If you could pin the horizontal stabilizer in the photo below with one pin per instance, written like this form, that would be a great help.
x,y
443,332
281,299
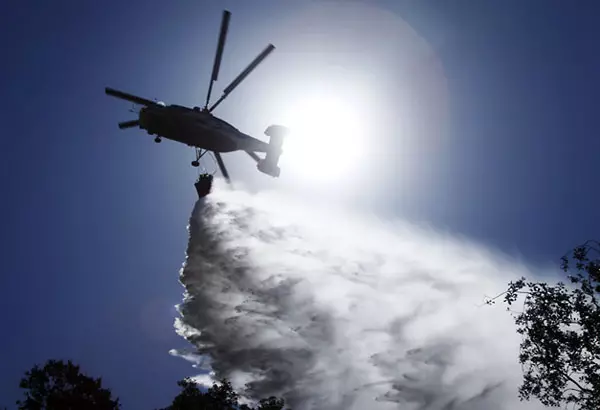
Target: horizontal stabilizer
x,y
253,156
128,124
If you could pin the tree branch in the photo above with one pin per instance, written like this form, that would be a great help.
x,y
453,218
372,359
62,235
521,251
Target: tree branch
x,y
562,372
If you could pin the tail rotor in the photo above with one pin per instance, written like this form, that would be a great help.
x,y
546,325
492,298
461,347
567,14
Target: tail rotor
x,y
269,165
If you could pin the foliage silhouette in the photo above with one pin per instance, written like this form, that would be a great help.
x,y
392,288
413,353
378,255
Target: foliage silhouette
x,y
560,325
272,403
190,397
60,385
220,396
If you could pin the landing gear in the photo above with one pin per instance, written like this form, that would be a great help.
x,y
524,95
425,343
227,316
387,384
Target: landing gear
x,y
199,154
157,140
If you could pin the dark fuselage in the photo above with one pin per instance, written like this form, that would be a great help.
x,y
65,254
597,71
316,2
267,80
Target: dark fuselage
x,y
196,128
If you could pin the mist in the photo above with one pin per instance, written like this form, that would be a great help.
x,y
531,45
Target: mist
x,y
331,309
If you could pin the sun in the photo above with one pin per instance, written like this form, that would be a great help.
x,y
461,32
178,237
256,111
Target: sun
x,y
326,138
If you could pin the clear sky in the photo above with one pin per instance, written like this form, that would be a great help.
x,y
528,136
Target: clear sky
x,y
94,220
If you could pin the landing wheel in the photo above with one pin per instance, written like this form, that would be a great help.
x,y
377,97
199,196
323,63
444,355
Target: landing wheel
x,y
195,163
157,140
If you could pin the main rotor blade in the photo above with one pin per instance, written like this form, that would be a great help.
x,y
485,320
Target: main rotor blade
x,y
244,74
128,124
128,97
219,55
222,166
253,155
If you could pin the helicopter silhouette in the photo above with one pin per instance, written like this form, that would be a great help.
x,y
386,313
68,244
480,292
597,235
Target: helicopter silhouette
x,y
199,128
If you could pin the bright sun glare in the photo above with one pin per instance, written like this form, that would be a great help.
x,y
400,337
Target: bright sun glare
x,y
325,140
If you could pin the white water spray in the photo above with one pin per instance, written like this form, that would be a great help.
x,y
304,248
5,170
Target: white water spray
x,y
337,311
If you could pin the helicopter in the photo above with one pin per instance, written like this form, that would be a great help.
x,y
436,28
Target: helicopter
x,y
199,128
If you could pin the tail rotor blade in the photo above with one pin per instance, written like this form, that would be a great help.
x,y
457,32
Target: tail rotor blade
x,y
128,97
222,166
128,124
244,74
219,55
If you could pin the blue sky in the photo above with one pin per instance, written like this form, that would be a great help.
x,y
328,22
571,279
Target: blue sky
x,y
94,218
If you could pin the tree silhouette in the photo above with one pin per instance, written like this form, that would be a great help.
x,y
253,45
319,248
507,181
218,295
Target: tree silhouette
x,y
220,396
272,403
190,397
560,325
60,385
